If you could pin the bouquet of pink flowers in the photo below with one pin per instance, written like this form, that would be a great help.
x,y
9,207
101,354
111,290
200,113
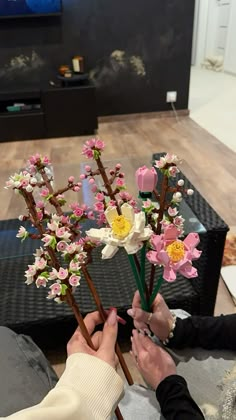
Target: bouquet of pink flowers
x,y
156,229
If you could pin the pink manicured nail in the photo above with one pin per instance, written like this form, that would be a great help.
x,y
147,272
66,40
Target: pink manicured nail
x,y
119,319
112,317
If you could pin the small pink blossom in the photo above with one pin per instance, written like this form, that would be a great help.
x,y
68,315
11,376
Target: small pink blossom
x,y
91,181
22,233
91,215
99,206
40,263
120,182
82,176
74,280
61,246
53,275
101,219
44,192
74,266
99,196
78,211
99,144
76,188
87,168
62,273
31,271
118,166
71,179
112,203
56,289
41,282
173,170
172,211
63,233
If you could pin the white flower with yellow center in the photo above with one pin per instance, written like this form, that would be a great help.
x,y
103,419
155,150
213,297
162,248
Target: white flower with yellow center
x,y
127,230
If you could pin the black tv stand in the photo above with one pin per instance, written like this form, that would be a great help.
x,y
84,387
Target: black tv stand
x,y
51,112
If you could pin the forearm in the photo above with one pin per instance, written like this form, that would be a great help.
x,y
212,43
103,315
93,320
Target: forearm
x,y
88,389
206,332
175,400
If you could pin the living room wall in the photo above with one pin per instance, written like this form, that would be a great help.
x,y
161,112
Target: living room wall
x,y
135,51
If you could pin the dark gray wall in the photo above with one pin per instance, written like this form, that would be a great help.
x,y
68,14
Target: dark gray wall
x,y
135,50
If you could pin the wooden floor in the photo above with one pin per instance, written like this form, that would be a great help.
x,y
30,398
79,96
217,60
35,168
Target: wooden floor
x,y
209,165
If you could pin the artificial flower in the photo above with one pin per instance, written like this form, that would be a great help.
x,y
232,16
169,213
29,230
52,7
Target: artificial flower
x,y
127,230
173,254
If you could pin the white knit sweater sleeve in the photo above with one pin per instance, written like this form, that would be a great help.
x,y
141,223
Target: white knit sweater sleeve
x,y
88,389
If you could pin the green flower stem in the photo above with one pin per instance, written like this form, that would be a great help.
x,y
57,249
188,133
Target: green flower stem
x,y
156,290
142,272
138,283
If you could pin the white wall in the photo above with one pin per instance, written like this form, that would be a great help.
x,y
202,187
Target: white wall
x,y
230,52
201,31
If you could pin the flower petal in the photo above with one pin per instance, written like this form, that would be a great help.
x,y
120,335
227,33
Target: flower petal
x,y
110,214
128,211
109,251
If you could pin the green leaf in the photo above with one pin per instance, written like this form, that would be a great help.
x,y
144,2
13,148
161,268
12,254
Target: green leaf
x,y
64,287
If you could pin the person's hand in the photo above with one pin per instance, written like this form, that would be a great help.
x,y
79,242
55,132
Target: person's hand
x,y
161,320
153,362
103,341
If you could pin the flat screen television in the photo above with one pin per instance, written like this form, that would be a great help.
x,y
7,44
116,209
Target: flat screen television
x,y
27,8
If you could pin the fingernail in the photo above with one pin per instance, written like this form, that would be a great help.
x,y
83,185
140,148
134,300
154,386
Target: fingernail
x,y
112,318
130,312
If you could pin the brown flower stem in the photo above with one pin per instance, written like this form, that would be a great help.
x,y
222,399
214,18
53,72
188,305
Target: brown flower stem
x,y
72,303
103,316
53,200
107,184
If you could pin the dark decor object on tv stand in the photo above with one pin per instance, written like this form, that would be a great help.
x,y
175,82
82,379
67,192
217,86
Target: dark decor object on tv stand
x,y
74,80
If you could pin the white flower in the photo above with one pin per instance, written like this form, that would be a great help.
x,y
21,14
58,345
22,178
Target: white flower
x,y
190,191
127,230
22,233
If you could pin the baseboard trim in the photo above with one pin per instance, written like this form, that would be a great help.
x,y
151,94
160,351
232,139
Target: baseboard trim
x,y
161,114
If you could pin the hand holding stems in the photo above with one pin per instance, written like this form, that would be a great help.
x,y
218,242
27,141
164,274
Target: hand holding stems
x,y
153,362
103,341
161,320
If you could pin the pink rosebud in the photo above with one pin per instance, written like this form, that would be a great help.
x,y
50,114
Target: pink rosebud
x,y
76,188
146,179
87,168
173,170
91,181
71,179
79,184
78,212
82,176
118,166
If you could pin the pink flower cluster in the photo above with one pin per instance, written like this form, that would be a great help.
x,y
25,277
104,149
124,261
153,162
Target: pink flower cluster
x,y
93,148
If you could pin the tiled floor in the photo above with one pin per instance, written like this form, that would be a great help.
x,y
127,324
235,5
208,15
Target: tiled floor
x,y
212,103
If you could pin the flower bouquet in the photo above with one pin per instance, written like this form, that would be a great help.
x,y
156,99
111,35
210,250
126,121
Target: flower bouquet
x,y
152,231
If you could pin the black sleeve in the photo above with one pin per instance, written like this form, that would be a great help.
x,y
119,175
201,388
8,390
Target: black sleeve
x,y
175,400
208,332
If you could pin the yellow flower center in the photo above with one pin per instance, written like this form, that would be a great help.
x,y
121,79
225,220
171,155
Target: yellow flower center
x,y
121,227
175,251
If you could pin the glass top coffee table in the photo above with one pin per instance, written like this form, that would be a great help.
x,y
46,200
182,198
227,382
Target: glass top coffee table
x,y
26,309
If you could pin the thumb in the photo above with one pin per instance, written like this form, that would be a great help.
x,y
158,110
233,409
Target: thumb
x,y
110,331
138,314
